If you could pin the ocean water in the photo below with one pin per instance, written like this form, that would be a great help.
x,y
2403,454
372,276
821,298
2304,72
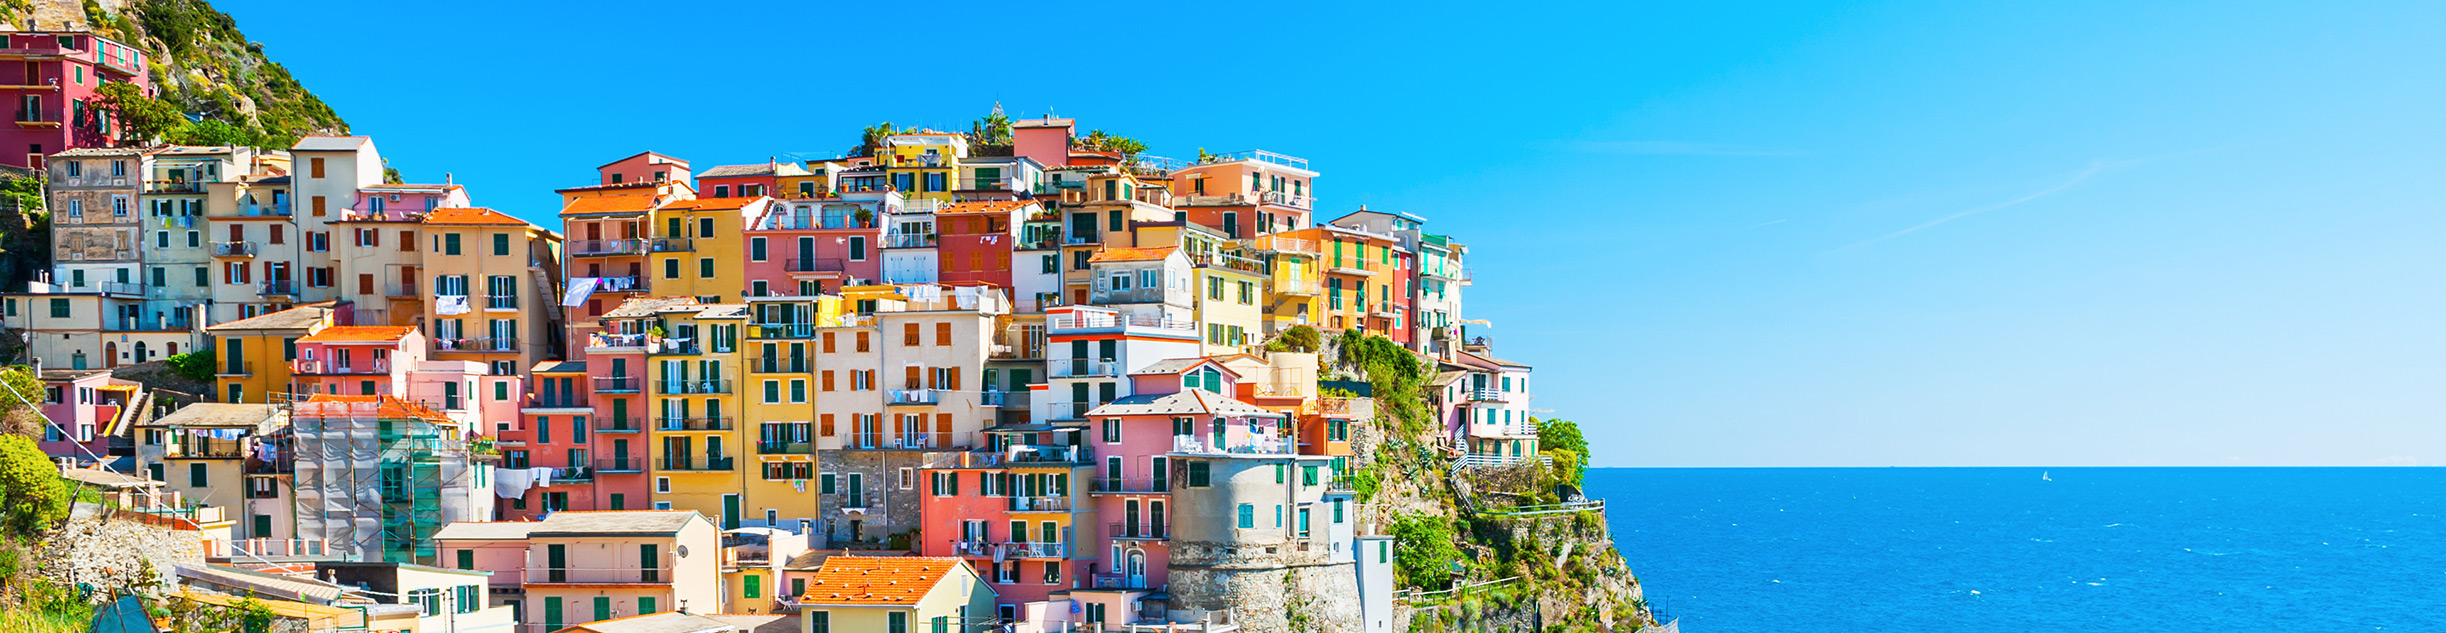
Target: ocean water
x,y
1964,550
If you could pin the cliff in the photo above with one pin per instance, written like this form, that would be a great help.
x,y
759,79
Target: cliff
x,y
202,66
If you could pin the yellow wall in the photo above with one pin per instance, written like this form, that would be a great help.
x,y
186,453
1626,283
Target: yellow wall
x,y
703,490
729,268
267,354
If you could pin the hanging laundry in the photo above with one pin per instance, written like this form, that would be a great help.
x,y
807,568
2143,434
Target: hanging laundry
x,y
512,483
450,304
579,290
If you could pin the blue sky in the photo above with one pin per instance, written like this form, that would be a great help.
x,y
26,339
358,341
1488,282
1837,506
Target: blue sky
x,y
1934,233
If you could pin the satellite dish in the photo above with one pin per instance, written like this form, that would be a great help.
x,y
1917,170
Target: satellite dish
x,y
682,551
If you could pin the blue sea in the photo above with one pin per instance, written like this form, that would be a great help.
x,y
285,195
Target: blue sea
x,y
1977,550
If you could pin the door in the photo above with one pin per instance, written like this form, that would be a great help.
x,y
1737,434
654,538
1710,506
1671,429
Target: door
x,y
619,459
110,355
1138,568
730,512
857,491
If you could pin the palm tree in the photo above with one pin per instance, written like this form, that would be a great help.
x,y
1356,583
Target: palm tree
x,y
871,138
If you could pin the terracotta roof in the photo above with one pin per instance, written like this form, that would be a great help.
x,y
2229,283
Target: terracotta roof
x,y
333,405
639,203
1493,360
261,417
711,204
991,206
299,317
1174,366
1132,254
863,580
360,334
471,215
758,169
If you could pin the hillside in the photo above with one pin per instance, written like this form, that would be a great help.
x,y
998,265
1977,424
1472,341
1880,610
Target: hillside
x,y
202,66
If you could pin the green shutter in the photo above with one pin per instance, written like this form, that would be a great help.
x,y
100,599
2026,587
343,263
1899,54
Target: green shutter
x,y
552,614
467,559
602,608
752,587
645,605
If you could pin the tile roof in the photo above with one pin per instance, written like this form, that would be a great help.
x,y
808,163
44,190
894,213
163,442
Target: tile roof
x,y
486,530
324,405
990,206
627,522
360,334
1187,401
1494,361
222,414
637,203
330,143
1178,365
296,318
266,584
864,580
471,215
667,157
560,367
711,204
758,169
102,151
1120,254
664,622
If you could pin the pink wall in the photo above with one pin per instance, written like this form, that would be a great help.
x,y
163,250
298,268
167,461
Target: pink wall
x,y
641,168
1049,146
99,58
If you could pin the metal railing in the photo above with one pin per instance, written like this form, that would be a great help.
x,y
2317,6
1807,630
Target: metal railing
x,y
402,290
238,368
1044,454
484,344
782,330
915,396
673,245
573,473
631,464
618,384
695,424
1083,368
619,425
908,240
816,265
1036,550
1106,320
778,364
1124,529
598,248
278,287
598,575
769,447
692,386
1129,485
377,366
234,249
616,340
500,302
693,463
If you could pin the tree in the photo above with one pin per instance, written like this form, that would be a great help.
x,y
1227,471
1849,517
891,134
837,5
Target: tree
x,y
211,132
32,495
1562,439
1423,551
17,415
871,138
991,135
141,118
1100,141
196,365
1301,338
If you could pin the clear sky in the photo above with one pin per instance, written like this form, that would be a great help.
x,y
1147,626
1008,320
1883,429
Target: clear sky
x,y
1938,233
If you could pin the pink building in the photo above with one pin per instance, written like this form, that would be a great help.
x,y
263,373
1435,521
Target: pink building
x,y
1046,140
53,82
643,167
806,247
358,360
561,432
85,408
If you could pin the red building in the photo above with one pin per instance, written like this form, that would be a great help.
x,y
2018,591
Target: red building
x,y
976,238
54,81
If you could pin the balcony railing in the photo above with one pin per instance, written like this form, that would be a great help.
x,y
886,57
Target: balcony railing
x,y
322,367
500,302
1130,485
599,248
617,575
974,548
122,289
817,265
573,473
1484,394
778,364
278,288
695,424
618,384
406,290
692,386
673,245
1133,530
632,464
1112,320
1083,368
234,249
915,396
485,344
769,447
692,463
602,340
236,368
1046,454
1246,446
1035,550
783,330
619,425
909,240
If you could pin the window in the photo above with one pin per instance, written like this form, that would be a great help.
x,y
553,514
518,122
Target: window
x,y
704,267
59,308
755,249
450,243
1248,516
670,268
1199,474
817,621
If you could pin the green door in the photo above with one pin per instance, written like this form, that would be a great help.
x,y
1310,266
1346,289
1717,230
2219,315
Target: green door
x,y
730,512
552,614
263,526
602,608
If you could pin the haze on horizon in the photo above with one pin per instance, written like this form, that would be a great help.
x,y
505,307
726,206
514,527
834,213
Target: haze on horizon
x,y
1756,234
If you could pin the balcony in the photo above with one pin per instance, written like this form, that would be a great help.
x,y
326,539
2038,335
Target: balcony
x,y
1245,446
486,344
695,424
974,548
673,245
909,240
601,341
619,425
1350,268
680,387
1120,581
197,447
1129,485
603,248
914,397
377,366
234,249
557,401
615,575
1227,261
993,398
572,474
121,289
507,303
817,265
36,118
1483,394
618,384
1301,287
1098,320
613,465
777,365
236,368
692,463
1035,550
257,210
783,330
173,186
405,290
1051,455
769,447
1134,531
277,288
673,346
1083,368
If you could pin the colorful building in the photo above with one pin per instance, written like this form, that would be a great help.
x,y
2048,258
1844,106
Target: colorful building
x,y
55,80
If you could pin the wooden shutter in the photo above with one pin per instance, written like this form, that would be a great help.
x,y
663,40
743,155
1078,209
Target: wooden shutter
x,y
942,333
828,387
827,342
912,375
827,418
908,334
365,284
861,341
942,430
951,380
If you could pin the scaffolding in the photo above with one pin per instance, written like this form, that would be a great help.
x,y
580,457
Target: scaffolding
x,y
377,476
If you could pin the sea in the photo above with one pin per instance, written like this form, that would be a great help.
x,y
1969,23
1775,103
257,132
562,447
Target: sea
x,y
1981,550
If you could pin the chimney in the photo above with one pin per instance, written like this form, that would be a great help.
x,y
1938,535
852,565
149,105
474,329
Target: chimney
x,y
447,178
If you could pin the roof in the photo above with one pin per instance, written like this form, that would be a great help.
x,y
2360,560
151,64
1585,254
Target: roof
x,y
664,622
990,206
560,367
807,561
106,479
1132,254
267,584
471,215
221,414
1044,122
1494,361
638,307
1368,211
758,169
637,203
102,151
864,581
318,617
330,143
486,530
679,162
360,334
711,204
626,522
1186,401
60,375
384,406
1178,365
297,318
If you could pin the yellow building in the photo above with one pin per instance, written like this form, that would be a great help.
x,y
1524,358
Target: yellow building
x,y
903,594
923,165
251,356
695,247
693,389
778,401
495,294
1295,286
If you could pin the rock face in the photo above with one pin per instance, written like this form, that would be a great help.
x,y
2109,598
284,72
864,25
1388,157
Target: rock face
x,y
1279,600
111,550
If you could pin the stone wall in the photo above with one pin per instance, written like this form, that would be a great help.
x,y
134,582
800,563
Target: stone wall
x,y
111,551
1299,599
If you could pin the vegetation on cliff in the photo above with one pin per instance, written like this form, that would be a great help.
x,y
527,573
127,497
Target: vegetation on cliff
x,y
222,88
